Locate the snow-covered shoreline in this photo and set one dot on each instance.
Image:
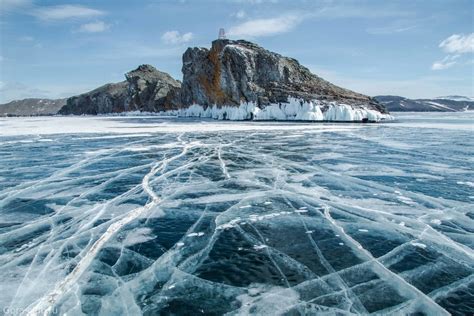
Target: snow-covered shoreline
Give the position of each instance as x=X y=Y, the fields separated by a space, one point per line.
x=293 y=110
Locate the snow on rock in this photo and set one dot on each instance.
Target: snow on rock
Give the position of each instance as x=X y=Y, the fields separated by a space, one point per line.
x=295 y=109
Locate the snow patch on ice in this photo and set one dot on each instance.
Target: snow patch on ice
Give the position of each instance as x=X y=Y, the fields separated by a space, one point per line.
x=419 y=245
x=266 y=300
x=233 y=223
x=199 y=234
x=138 y=236
x=245 y=206
x=468 y=183
x=406 y=200
x=301 y=211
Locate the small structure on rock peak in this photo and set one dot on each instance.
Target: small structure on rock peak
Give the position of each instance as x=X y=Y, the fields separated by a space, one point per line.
x=222 y=34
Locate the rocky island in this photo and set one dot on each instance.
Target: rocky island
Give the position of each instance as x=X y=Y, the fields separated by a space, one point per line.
x=240 y=80
x=233 y=80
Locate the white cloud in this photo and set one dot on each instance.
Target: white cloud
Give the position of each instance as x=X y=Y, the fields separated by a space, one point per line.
x=287 y=22
x=14 y=3
x=265 y=27
x=240 y=14
x=11 y=5
x=67 y=11
x=399 y=24
x=445 y=63
x=26 y=39
x=458 y=44
x=94 y=27
x=391 y=29
x=339 y=11
x=455 y=45
x=30 y=41
x=440 y=65
x=174 y=37
x=49 y=13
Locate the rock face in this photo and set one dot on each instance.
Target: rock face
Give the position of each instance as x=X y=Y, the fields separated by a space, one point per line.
x=145 y=89
x=442 y=104
x=109 y=98
x=148 y=89
x=32 y=107
x=238 y=71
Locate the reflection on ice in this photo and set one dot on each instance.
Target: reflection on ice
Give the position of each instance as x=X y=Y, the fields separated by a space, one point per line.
x=224 y=219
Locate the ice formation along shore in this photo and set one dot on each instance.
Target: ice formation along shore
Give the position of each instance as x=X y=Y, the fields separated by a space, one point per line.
x=295 y=109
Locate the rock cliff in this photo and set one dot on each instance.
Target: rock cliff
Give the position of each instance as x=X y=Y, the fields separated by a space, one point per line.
x=232 y=72
x=145 y=89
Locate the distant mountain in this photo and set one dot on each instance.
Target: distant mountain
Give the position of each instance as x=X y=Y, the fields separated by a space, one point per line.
x=456 y=98
x=442 y=104
x=32 y=107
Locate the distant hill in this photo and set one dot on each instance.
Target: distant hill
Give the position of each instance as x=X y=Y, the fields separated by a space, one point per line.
x=442 y=104
x=32 y=107
x=456 y=98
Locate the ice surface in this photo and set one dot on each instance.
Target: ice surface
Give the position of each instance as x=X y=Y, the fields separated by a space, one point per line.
x=151 y=215
x=140 y=127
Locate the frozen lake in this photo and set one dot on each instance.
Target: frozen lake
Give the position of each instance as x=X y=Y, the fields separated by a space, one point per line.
x=151 y=215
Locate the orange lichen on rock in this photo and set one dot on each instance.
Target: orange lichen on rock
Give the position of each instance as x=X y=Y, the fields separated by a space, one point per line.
x=212 y=84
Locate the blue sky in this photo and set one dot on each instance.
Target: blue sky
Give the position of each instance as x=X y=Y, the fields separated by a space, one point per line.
x=410 y=48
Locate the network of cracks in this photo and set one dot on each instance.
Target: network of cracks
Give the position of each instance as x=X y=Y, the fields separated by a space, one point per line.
x=294 y=223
